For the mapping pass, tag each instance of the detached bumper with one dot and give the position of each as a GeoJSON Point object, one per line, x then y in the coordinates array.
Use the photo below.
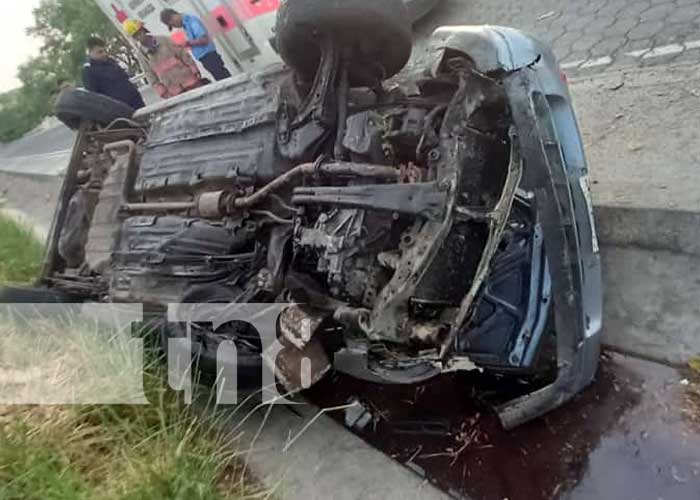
{"type": "Point", "coordinates": [554, 170]}
{"type": "Point", "coordinates": [546, 175]}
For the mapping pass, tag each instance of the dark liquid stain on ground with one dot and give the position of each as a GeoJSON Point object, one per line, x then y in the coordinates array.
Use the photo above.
{"type": "Point", "coordinates": [624, 438]}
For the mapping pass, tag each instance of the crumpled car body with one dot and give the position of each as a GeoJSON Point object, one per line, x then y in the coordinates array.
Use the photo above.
{"type": "Point", "coordinates": [443, 223]}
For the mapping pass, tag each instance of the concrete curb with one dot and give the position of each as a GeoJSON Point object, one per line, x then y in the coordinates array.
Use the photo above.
{"type": "Point", "coordinates": [33, 175]}
{"type": "Point", "coordinates": [651, 273]}
{"type": "Point", "coordinates": [324, 460]}
{"type": "Point", "coordinates": [649, 229]}
{"type": "Point", "coordinates": [52, 164]}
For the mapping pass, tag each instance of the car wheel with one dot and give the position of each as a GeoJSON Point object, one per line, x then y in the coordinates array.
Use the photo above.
{"type": "Point", "coordinates": [377, 31]}
{"type": "Point", "coordinates": [75, 106]}
{"type": "Point", "coordinates": [205, 343]}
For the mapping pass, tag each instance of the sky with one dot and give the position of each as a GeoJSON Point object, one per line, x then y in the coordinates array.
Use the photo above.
{"type": "Point", "coordinates": [17, 47]}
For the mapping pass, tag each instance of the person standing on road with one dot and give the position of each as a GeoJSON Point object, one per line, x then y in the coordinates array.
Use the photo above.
{"type": "Point", "coordinates": [198, 39]}
{"type": "Point", "coordinates": [103, 75]}
{"type": "Point", "coordinates": [169, 68]}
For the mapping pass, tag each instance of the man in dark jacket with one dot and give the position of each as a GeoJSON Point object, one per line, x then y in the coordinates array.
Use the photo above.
{"type": "Point", "coordinates": [103, 75]}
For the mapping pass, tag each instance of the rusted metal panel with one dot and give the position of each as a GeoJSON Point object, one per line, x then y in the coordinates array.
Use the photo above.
{"type": "Point", "coordinates": [227, 133]}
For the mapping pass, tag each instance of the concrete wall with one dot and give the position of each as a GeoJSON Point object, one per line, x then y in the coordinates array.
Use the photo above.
{"type": "Point", "coordinates": [651, 266]}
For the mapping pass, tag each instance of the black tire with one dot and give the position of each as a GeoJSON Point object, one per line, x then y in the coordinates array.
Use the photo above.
{"type": "Point", "coordinates": [379, 31]}
{"type": "Point", "coordinates": [30, 295]}
{"type": "Point", "coordinates": [249, 362]}
{"type": "Point", "coordinates": [75, 106]}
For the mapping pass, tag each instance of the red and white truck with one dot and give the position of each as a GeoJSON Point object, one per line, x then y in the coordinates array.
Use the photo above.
{"type": "Point", "coordinates": [242, 29]}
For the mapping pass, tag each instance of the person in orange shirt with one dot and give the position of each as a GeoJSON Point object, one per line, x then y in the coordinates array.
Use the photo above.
{"type": "Point", "coordinates": [169, 68]}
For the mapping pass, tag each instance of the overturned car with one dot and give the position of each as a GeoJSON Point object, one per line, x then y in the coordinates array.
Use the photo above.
{"type": "Point", "coordinates": [425, 219]}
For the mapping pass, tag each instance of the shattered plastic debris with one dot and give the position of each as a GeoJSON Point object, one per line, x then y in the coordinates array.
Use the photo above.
{"type": "Point", "coordinates": [358, 417]}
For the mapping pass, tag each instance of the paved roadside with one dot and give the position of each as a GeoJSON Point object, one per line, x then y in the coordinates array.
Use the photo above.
{"type": "Point", "coordinates": [50, 137]}
{"type": "Point", "coordinates": [44, 151]}
{"type": "Point", "coordinates": [303, 453]}
{"type": "Point", "coordinates": [51, 164]}
{"type": "Point", "coordinates": [632, 435]}
{"type": "Point", "coordinates": [590, 35]}
{"type": "Point", "coordinates": [642, 135]}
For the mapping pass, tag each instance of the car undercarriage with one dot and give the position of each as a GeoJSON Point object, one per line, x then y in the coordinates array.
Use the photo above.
{"type": "Point", "coordinates": [423, 221]}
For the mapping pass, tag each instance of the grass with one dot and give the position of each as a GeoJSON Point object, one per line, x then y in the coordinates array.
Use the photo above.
{"type": "Point", "coordinates": [162, 451]}
{"type": "Point", "coordinates": [165, 450]}
{"type": "Point", "coordinates": [20, 253]}
{"type": "Point", "coordinates": [159, 451]}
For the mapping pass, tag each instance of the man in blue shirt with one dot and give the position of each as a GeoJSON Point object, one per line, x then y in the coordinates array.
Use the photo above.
{"type": "Point", "coordinates": [103, 75]}
{"type": "Point", "coordinates": [198, 39]}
